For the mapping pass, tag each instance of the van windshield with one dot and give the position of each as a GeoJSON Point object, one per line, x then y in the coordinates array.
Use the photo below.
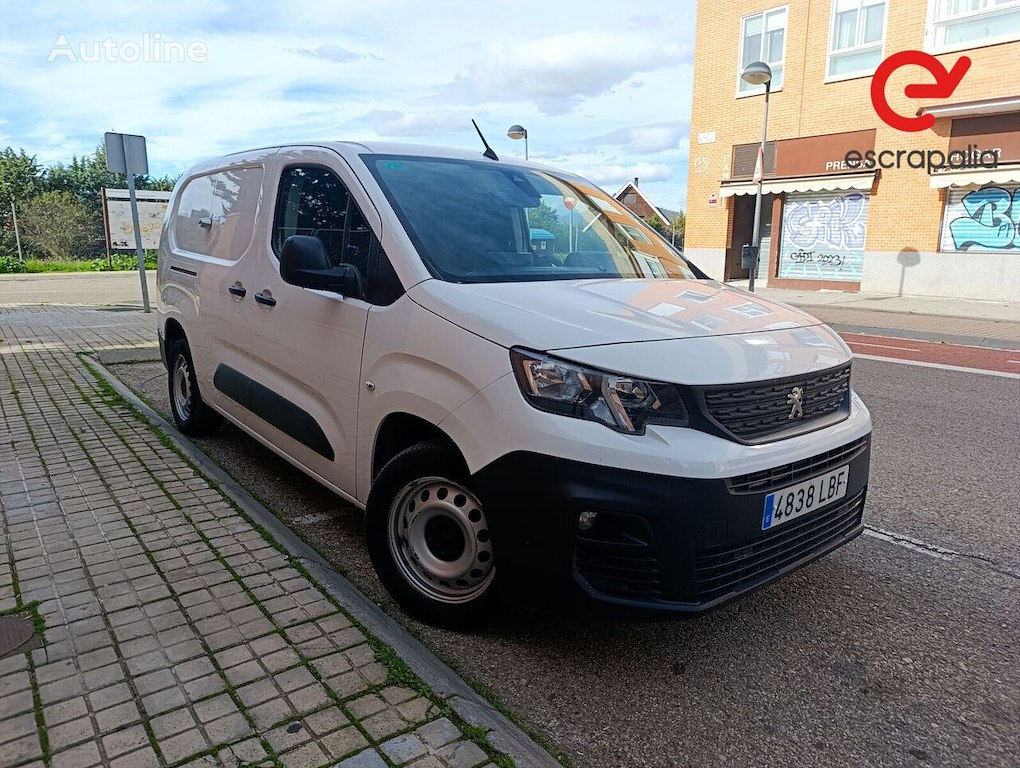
{"type": "Point", "coordinates": [484, 222]}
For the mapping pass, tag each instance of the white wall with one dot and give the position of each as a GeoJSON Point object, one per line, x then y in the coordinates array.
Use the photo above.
{"type": "Point", "coordinates": [981, 276]}
{"type": "Point", "coordinates": [711, 261]}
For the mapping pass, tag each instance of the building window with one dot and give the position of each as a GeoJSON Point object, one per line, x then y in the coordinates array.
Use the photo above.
{"type": "Point", "coordinates": [958, 24]}
{"type": "Point", "coordinates": [855, 42]}
{"type": "Point", "coordinates": [763, 38]}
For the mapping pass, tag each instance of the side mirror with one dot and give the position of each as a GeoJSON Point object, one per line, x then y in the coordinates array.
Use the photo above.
{"type": "Point", "coordinates": [303, 263]}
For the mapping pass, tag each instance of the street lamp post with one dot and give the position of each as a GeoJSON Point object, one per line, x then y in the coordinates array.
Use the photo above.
{"type": "Point", "coordinates": [758, 73]}
{"type": "Point", "coordinates": [519, 132]}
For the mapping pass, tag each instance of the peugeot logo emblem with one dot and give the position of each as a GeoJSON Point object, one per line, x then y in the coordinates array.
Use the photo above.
{"type": "Point", "coordinates": [796, 401]}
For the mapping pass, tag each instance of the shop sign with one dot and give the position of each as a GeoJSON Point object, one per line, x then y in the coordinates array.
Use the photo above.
{"type": "Point", "coordinates": [821, 155]}
{"type": "Point", "coordinates": [1000, 132]}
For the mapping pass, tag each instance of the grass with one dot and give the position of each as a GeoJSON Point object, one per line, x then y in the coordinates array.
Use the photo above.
{"type": "Point", "coordinates": [120, 262]}
{"type": "Point", "coordinates": [39, 265]}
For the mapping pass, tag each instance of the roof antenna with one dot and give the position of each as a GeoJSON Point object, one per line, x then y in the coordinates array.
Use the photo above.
{"type": "Point", "coordinates": [488, 150]}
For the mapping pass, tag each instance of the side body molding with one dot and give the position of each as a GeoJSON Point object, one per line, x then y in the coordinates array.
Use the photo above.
{"type": "Point", "coordinates": [273, 409]}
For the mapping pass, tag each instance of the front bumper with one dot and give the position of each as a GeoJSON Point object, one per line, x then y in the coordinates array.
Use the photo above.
{"type": "Point", "coordinates": [662, 545]}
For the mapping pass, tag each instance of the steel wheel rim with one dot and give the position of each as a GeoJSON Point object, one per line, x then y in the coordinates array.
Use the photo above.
{"type": "Point", "coordinates": [181, 380]}
{"type": "Point", "coordinates": [440, 540]}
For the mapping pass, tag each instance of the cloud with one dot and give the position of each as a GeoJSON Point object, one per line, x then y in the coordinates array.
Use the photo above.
{"type": "Point", "coordinates": [363, 72]}
{"type": "Point", "coordinates": [644, 139]}
{"type": "Point", "coordinates": [557, 73]}
{"type": "Point", "coordinates": [615, 173]}
{"type": "Point", "coordinates": [334, 53]}
{"type": "Point", "coordinates": [393, 123]}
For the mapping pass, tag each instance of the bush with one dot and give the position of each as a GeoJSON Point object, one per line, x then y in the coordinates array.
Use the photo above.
{"type": "Point", "coordinates": [121, 262]}
{"type": "Point", "coordinates": [58, 225]}
{"type": "Point", "coordinates": [50, 265]}
{"type": "Point", "coordinates": [10, 265]}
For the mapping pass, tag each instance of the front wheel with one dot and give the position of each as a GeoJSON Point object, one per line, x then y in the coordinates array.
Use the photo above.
{"type": "Point", "coordinates": [429, 539]}
{"type": "Point", "coordinates": [191, 414]}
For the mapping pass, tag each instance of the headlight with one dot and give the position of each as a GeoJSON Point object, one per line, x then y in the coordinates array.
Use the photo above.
{"type": "Point", "coordinates": [622, 402]}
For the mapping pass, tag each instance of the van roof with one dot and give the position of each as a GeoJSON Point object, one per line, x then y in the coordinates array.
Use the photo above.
{"type": "Point", "coordinates": [357, 147]}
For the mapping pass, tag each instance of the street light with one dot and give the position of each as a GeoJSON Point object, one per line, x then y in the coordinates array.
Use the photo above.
{"type": "Point", "coordinates": [758, 73]}
{"type": "Point", "coordinates": [519, 132]}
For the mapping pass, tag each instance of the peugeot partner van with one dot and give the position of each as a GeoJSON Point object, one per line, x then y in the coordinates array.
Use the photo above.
{"type": "Point", "coordinates": [533, 396]}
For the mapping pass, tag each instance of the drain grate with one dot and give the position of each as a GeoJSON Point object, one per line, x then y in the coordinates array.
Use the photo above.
{"type": "Point", "coordinates": [17, 635]}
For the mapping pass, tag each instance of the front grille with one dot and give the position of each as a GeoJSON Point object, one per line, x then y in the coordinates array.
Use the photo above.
{"type": "Point", "coordinates": [619, 557]}
{"type": "Point", "coordinates": [624, 574]}
{"type": "Point", "coordinates": [753, 412]}
{"type": "Point", "coordinates": [738, 567]}
{"type": "Point", "coordinates": [777, 477]}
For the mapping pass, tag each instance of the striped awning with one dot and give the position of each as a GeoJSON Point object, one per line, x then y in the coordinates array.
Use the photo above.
{"type": "Point", "coordinates": [833, 182]}
{"type": "Point", "coordinates": [976, 177]}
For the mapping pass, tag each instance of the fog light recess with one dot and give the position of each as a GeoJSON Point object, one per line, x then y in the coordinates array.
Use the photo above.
{"type": "Point", "coordinates": [586, 520]}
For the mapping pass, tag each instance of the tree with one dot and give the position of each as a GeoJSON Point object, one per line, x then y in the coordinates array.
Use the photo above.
{"type": "Point", "coordinates": [60, 226]}
{"type": "Point", "coordinates": [544, 217]}
{"type": "Point", "coordinates": [679, 223]}
{"type": "Point", "coordinates": [21, 178]}
{"type": "Point", "coordinates": [84, 177]}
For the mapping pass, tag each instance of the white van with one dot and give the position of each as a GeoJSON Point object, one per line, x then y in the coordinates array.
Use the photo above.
{"type": "Point", "coordinates": [531, 394]}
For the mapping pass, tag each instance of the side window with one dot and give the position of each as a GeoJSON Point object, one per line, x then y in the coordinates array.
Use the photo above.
{"type": "Point", "coordinates": [313, 201]}
{"type": "Point", "coordinates": [216, 213]}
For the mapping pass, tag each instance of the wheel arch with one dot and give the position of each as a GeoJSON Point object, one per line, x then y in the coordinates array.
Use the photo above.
{"type": "Point", "coordinates": [172, 331]}
{"type": "Point", "coordinates": [402, 430]}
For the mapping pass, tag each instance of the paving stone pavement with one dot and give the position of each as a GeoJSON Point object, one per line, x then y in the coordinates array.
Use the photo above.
{"type": "Point", "coordinates": [175, 633]}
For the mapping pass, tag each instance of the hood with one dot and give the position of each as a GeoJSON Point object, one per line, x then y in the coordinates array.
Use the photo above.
{"type": "Point", "coordinates": [562, 314]}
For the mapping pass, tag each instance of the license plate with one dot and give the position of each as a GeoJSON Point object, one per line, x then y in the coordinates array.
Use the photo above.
{"type": "Point", "coordinates": [797, 500]}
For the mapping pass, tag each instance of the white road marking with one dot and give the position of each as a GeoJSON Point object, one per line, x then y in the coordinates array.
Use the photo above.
{"type": "Point", "coordinates": [916, 545]}
{"type": "Point", "coordinates": [311, 519]}
{"type": "Point", "coordinates": [1015, 362]}
{"type": "Point", "coordinates": [940, 366]}
{"type": "Point", "coordinates": [884, 346]}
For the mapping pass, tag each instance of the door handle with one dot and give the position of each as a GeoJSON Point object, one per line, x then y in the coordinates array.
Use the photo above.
{"type": "Point", "coordinates": [238, 290]}
{"type": "Point", "coordinates": [268, 301]}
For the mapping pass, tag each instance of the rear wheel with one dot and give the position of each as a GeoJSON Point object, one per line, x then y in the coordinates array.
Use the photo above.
{"type": "Point", "coordinates": [191, 414]}
{"type": "Point", "coordinates": [429, 539]}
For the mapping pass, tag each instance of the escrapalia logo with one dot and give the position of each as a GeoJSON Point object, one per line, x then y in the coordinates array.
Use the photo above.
{"type": "Point", "coordinates": [946, 81]}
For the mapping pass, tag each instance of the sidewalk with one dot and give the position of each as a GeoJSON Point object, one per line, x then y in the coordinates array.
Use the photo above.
{"type": "Point", "coordinates": [175, 632]}
{"type": "Point", "coordinates": [951, 321]}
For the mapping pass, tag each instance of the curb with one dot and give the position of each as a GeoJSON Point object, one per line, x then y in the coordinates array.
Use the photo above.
{"type": "Point", "coordinates": [464, 700]}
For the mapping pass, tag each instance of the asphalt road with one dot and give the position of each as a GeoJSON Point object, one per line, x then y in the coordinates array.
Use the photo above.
{"type": "Point", "coordinates": [899, 649]}
{"type": "Point", "coordinates": [86, 288]}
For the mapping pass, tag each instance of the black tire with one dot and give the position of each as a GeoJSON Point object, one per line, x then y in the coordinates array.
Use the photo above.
{"type": "Point", "coordinates": [191, 414]}
{"type": "Point", "coordinates": [428, 538]}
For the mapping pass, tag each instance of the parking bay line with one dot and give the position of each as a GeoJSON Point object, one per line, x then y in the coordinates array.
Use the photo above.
{"type": "Point", "coordinates": [915, 545]}
{"type": "Point", "coordinates": [935, 551]}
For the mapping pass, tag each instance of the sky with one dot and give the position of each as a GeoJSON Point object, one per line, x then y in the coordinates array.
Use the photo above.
{"type": "Point", "coordinates": [603, 87]}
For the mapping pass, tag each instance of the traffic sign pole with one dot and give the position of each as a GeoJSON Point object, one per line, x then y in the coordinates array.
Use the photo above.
{"type": "Point", "coordinates": [125, 153]}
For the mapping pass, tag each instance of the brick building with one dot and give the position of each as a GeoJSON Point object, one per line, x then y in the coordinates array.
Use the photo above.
{"type": "Point", "coordinates": [933, 231]}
